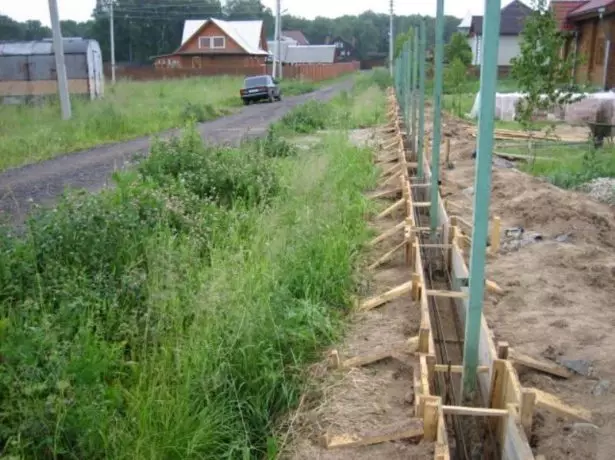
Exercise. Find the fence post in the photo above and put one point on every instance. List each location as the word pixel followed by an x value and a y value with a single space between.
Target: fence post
pixel 437 106
pixel 415 71
pixel 482 192
pixel 421 134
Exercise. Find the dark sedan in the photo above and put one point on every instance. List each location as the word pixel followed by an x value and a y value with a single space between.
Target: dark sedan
pixel 261 87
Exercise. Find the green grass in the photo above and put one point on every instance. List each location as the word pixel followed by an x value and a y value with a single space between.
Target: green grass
pixel 29 134
pixel 568 166
pixel 172 317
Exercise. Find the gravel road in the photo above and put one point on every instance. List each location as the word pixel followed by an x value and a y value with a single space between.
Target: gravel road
pixel 42 183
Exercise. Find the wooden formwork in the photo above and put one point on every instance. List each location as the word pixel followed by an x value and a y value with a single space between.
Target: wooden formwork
pixel 508 406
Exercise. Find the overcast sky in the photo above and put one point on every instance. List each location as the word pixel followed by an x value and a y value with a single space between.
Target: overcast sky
pixel 80 10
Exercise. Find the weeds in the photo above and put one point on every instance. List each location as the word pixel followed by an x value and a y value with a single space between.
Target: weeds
pixel 171 317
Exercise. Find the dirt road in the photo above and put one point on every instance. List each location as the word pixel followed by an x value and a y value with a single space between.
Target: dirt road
pixel 42 183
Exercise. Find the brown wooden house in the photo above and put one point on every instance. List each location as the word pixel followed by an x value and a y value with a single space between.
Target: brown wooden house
pixel 590 31
pixel 214 43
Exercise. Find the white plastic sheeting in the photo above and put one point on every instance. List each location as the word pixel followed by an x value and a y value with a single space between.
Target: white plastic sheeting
pixel 577 112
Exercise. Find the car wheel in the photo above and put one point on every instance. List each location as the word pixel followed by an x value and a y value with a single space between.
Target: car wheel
pixel 271 98
pixel 246 102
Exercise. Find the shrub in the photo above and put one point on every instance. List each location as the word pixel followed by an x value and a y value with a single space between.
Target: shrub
pixel 307 118
pixel 223 175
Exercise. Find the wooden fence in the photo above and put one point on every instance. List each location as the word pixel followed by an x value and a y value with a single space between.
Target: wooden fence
pixel 311 72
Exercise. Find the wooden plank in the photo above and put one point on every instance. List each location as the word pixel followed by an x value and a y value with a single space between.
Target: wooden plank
pixel 421 204
pixel 392 294
pixel 389 180
pixel 475 411
pixel 391 209
pixel 450 294
pixel 553 404
pixel 457 368
pixel 387 234
pixel 413 429
pixel 383 193
pixel 547 367
pixel 387 256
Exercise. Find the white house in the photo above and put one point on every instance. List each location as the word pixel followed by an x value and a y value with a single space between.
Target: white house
pixel 512 19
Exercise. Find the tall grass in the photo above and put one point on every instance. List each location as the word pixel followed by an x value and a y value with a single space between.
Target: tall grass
pixel 172 316
pixel 31 133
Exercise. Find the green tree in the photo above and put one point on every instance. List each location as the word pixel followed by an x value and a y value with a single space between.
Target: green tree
pixel 401 40
pixel 455 77
pixel 458 48
pixel 541 70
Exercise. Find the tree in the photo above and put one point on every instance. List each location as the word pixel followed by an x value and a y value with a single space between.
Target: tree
pixel 401 40
pixel 458 48
pixel 541 70
pixel 455 76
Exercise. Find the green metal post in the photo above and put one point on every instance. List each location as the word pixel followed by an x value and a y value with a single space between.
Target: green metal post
pixel 437 107
pixel 415 73
pixel 421 102
pixel 482 191
pixel 408 86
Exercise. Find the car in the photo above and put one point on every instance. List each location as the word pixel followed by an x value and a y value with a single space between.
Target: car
pixel 260 87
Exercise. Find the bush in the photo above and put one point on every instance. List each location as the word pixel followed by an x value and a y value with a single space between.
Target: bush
pixel 199 112
pixel 223 175
pixel 307 118
pixel 275 146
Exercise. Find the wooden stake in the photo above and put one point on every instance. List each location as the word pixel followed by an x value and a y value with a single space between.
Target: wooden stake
pixel 430 417
pixel 390 170
pixel 451 238
pixel 416 285
pixel 381 299
pixel 498 386
pixel 424 340
pixel 528 404
pixel 502 350
pixel 447 151
pixel 495 235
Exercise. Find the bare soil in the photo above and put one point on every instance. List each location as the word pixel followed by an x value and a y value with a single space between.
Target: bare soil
pixel 362 400
pixel 560 290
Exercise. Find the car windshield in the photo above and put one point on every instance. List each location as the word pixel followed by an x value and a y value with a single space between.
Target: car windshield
pixel 251 82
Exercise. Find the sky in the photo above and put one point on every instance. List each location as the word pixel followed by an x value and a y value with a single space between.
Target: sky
pixel 80 10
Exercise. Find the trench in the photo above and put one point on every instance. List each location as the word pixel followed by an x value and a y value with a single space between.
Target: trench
pixel 470 438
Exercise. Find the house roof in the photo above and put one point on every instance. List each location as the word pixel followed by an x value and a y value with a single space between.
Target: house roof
pixel 512 17
pixel 296 35
pixel 562 8
pixel 247 34
pixel 591 6
pixel 45 47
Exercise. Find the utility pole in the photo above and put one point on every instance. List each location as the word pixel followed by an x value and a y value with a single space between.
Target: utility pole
pixel 58 48
pixel 276 39
pixel 279 15
pixel 482 194
pixel 112 34
pixel 391 39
